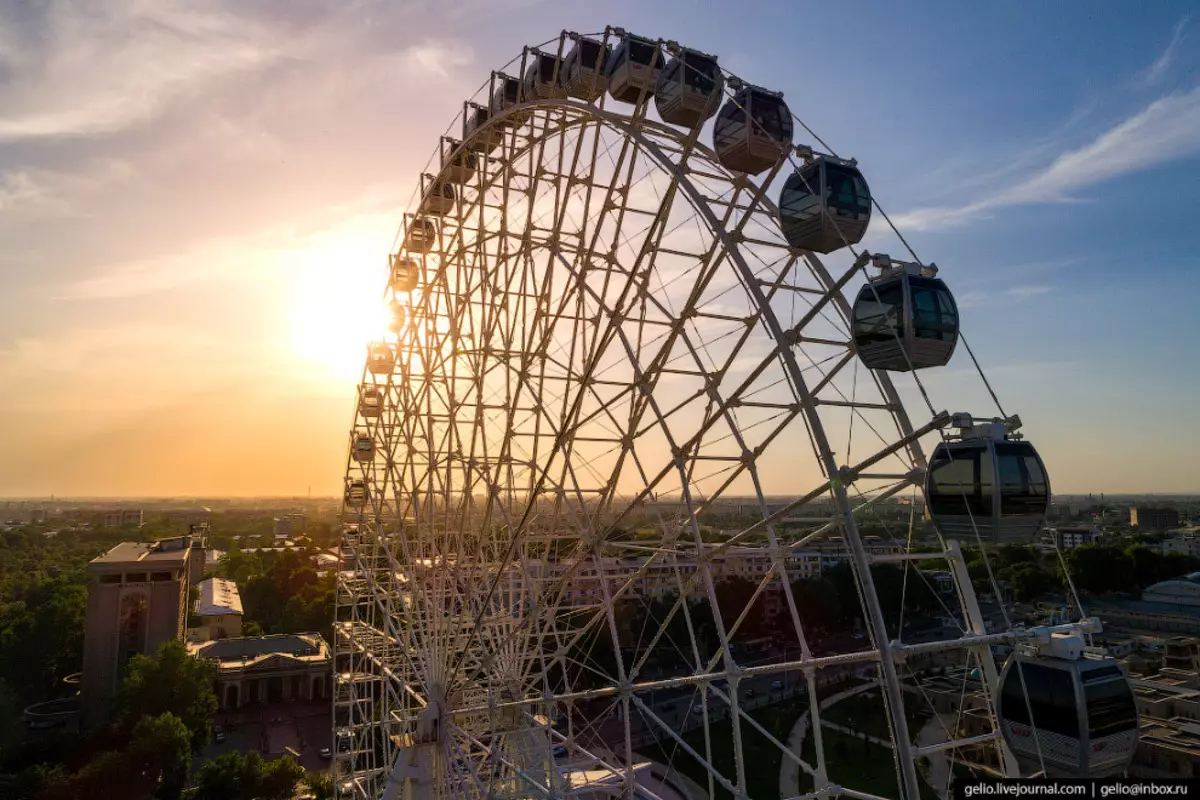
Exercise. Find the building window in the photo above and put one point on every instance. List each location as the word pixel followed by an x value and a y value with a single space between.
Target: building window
pixel 132 625
pixel 110 578
pixel 160 576
pixel 135 577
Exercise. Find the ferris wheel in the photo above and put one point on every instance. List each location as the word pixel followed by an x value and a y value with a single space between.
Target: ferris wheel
pixel 625 408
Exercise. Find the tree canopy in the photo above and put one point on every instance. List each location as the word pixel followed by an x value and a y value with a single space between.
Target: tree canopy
pixel 171 681
pixel 247 776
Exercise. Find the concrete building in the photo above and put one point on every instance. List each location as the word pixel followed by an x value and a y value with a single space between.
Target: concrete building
pixel 137 600
pixel 123 516
pixel 1183 591
pixel 218 611
pixel 1069 537
pixel 269 669
pixel 1169 705
pixel 1146 518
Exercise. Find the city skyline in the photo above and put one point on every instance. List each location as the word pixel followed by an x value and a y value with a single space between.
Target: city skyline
pixel 197 250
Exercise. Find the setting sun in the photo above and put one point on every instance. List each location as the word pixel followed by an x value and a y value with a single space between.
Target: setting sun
pixel 337 310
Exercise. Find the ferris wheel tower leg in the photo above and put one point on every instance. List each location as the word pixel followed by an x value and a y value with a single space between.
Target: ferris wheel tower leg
pixel 975 624
pixel 893 695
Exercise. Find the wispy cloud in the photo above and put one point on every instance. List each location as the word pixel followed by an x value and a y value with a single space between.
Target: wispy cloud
pixel 1162 132
pixel 1155 72
pixel 1028 290
pixel 100 68
pixel 436 58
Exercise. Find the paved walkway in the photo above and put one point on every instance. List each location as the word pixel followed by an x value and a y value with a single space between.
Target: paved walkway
pixel 856 734
pixel 932 732
pixel 789 771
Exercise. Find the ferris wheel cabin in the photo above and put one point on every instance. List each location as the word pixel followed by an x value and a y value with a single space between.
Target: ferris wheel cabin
pixel 404 274
pixel 541 81
pixel 420 235
pixel 458 163
pixel 438 196
pixel 689 89
pixel 370 401
pixel 633 69
pixel 362 448
pixel 904 319
pixel 506 95
pixel 356 494
pixel 381 359
pixel 1084 719
pixel 825 206
pixel 478 135
pixel 397 316
pixel 988 485
pixel 753 130
pixel 582 73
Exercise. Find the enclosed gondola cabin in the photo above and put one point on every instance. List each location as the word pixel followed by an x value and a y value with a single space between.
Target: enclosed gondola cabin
pixel 397 316
pixel 987 485
pixel 1084 718
pixel 420 235
pixel 905 319
pixel 370 402
pixel 356 494
pixel 825 206
pixel 404 274
pixel 582 74
pixel 689 89
pixel 541 80
pixel 458 163
pixel 438 196
pixel 362 448
pixel 381 359
pixel 506 95
pixel 753 130
pixel 633 69
pixel 477 134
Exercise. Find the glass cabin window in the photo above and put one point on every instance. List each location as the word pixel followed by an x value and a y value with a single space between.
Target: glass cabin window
pixel 801 201
pixel 769 117
pixel 546 68
pixel 846 194
pixel 1051 697
pixel 641 52
pixel 588 54
pixel 1110 705
pixel 699 74
pixel 879 321
pixel 1023 489
pixel 961 482
pixel 934 314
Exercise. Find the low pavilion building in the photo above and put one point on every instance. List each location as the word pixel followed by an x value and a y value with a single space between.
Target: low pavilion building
pixel 269 669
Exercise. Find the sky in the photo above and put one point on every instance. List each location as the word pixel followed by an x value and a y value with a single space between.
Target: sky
pixel 196 201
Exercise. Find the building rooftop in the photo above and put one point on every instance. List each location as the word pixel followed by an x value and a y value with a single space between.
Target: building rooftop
pixel 159 553
pixel 244 649
pixel 218 596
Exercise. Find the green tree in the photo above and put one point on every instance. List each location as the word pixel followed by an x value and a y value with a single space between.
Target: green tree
pixel 320 784
pixel 171 681
pixel 246 776
pixel 161 751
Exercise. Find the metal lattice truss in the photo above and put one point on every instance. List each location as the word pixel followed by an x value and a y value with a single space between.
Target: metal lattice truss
pixel 609 347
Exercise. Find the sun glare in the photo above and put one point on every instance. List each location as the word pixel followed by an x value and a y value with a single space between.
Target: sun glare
pixel 338 306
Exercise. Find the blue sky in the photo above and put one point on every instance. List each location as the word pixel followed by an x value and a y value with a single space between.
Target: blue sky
pixel 194 198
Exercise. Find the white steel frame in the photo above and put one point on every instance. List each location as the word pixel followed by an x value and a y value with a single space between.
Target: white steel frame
pixel 611 317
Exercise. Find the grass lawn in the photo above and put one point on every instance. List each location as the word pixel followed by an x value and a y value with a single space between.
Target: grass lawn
pixel 762 757
pixel 851 762
pixel 866 712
